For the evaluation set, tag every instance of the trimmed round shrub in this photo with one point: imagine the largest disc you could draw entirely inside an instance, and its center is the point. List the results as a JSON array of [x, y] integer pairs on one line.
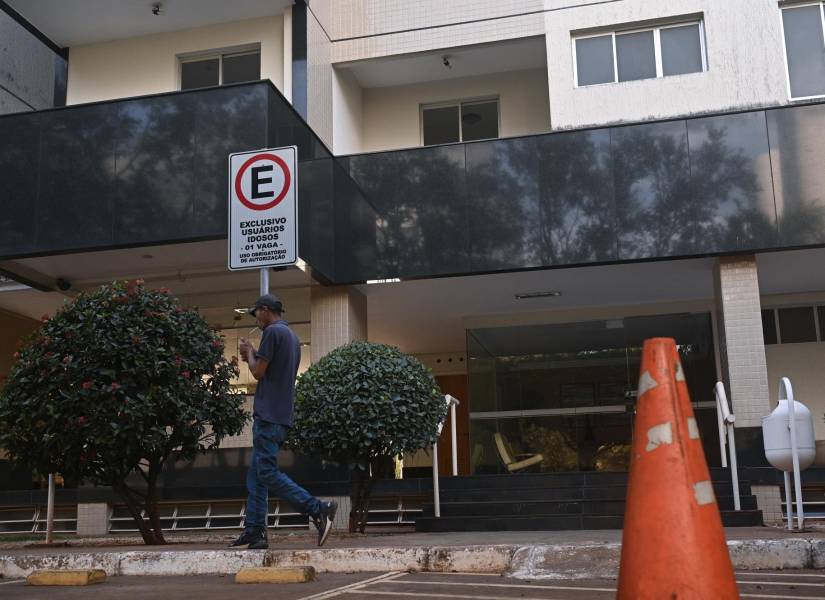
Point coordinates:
[[362, 403]]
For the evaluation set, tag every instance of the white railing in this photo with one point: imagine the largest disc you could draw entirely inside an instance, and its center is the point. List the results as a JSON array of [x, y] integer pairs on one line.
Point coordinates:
[[451, 403], [229, 514], [32, 519], [205, 516], [725, 420]]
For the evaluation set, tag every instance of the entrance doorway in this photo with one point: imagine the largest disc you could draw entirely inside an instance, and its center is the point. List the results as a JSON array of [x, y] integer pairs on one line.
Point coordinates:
[[568, 391]]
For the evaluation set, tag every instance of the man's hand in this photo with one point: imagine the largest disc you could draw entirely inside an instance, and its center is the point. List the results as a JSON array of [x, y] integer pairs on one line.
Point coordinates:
[[246, 349]]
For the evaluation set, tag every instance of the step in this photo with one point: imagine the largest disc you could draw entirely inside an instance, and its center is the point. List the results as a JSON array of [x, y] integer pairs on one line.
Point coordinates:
[[540, 523], [554, 507], [611, 492], [744, 518], [530, 480]]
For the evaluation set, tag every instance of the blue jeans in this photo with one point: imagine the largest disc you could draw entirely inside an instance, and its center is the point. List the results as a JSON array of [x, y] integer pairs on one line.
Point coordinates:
[[264, 477]]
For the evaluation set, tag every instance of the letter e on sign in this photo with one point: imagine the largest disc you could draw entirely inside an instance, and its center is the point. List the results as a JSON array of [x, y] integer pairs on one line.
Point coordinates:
[[263, 208]]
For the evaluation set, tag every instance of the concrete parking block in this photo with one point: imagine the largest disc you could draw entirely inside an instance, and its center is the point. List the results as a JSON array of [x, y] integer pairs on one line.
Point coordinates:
[[275, 575], [79, 577]]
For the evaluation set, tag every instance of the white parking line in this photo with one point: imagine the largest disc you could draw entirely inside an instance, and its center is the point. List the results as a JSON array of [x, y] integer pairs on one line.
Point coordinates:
[[461, 596], [353, 586], [11, 582], [768, 574], [780, 597], [786, 583], [506, 585]]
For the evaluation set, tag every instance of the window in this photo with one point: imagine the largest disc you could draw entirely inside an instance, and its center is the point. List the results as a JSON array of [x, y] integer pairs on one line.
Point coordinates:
[[222, 69], [797, 325], [462, 122], [805, 49], [793, 325], [769, 327], [643, 54]]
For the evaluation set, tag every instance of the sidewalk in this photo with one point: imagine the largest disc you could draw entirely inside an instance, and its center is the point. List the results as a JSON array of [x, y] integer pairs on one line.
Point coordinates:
[[529, 555]]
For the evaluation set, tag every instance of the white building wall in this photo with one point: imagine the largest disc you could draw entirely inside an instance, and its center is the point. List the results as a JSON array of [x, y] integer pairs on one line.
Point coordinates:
[[319, 81], [347, 102], [745, 58], [149, 64], [392, 114], [804, 364]]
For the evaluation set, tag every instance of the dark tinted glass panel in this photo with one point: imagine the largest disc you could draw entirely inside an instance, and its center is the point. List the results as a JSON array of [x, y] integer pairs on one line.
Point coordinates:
[[242, 67], [797, 325], [681, 50], [77, 182], [798, 163], [594, 60], [578, 212], [651, 176], [441, 125], [200, 73], [355, 228], [421, 198], [502, 177], [155, 179], [316, 210], [226, 121], [635, 56], [768, 326], [804, 50], [821, 316], [479, 121], [18, 182], [730, 202]]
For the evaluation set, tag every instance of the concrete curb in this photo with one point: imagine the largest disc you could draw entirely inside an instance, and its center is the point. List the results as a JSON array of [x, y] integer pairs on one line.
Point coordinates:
[[523, 561]]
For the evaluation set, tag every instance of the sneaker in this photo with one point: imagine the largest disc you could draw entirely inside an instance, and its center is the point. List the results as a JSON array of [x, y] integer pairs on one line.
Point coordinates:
[[253, 539], [323, 522]]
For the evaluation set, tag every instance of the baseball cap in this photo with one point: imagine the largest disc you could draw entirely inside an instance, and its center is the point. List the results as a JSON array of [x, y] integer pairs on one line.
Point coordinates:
[[270, 301]]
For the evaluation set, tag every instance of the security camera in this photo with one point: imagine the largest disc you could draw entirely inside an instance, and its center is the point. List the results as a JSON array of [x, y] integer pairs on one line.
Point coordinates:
[[63, 284], [157, 9], [445, 60]]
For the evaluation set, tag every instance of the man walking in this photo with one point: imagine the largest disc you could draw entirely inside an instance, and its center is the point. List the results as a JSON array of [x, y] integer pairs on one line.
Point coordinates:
[[274, 365]]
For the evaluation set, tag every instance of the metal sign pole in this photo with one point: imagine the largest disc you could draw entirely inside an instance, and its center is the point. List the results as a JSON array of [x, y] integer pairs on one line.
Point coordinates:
[[50, 511], [264, 281]]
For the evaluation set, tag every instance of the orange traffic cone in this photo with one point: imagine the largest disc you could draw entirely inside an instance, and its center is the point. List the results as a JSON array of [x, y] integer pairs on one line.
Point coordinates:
[[673, 545]]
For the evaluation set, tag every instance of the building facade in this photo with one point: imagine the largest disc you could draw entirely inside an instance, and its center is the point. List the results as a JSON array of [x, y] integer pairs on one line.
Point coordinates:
[[517, 192]]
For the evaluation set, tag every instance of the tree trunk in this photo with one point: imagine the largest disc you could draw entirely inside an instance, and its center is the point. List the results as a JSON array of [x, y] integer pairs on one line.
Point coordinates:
[[152, 502], [135, 508], [378, 468], [150, 530]]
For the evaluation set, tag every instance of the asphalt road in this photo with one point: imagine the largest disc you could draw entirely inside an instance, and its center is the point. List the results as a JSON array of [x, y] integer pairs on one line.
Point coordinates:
[[398, 586]]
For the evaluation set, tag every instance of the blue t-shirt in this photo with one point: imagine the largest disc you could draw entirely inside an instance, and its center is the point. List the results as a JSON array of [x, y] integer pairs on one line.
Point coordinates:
[[275, 394]]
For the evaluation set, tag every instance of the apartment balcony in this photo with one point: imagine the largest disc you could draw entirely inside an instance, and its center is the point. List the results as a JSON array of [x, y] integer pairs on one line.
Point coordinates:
[[153, 170], [729, 183]]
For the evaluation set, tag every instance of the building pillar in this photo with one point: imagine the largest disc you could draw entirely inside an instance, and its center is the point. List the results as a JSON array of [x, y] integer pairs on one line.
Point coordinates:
[[742, 352], [298, 69], [339, 316]]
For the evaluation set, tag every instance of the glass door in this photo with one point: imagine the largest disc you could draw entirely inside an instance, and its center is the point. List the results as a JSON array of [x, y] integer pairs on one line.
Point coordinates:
[[567, 391]]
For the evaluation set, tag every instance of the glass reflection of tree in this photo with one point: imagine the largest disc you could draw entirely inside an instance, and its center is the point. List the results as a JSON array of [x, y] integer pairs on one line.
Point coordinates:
[[575, 197], [422, 228], [672, 200]]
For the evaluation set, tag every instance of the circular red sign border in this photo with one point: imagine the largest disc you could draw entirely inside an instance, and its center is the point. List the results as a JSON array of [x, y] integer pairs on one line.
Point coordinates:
[[287, 181]]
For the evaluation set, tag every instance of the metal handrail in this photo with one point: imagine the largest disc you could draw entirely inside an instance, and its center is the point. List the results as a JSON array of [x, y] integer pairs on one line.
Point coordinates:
[[725, 420], [452, 402]]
